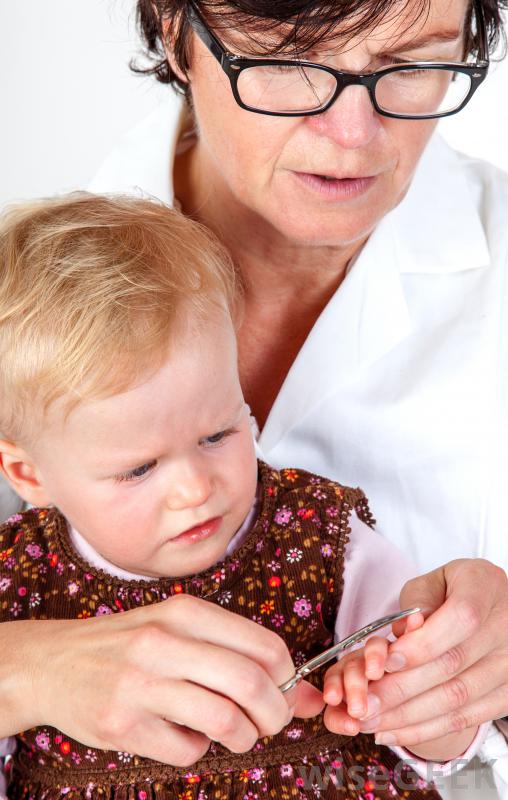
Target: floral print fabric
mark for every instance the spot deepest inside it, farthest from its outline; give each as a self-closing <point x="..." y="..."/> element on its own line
<point x="287" y="576"/>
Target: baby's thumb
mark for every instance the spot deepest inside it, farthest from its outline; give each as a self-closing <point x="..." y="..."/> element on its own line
<point x="309" y="701"/>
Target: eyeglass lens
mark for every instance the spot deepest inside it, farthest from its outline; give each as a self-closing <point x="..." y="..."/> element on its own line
<point x="413" y="92"/>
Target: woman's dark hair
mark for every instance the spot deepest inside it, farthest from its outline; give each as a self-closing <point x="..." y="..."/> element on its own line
<point x="299" y="26"/>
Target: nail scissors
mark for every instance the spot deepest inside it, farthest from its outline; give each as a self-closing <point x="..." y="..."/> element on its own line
<point x="345" y="644"/>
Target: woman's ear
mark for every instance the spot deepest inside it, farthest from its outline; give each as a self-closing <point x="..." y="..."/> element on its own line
<point x="19" y="470"/>
<point x="168" y="42"/>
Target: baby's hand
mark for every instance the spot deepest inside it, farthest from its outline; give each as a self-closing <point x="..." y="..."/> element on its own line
<point x="346" y="686"/>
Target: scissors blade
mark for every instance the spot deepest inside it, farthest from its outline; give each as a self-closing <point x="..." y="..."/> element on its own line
<point x="354" y="638"/>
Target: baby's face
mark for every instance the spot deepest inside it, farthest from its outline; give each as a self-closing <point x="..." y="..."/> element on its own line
<point x="159" y="478"/>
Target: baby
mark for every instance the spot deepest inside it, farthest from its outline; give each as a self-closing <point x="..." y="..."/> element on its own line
<point x="124" y="426"/>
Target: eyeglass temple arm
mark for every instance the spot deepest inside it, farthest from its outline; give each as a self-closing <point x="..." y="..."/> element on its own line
<point x="207" y="37"/>
<point x="481" y="32"/>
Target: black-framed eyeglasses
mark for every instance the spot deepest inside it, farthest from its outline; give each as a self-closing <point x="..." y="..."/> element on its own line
<point x="294" y="88"/>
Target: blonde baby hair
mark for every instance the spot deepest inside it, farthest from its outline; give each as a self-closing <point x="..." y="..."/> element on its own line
<point x="91" y="294"/>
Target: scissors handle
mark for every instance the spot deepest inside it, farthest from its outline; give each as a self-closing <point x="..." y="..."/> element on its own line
<point x="355" y="638"/>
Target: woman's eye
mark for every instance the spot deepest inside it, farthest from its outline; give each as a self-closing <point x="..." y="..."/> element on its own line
<point x="216" y="438"/>
<point x="137" y="472"/>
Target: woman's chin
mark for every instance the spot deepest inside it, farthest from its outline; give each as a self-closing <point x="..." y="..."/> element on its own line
<point x="311" y="224"/>
<point x="318" y="230"/>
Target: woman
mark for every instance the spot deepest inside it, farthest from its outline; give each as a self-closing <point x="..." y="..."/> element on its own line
<point x="372" y="346"/>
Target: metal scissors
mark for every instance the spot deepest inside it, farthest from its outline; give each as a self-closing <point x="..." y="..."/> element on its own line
<point x="345" y="644"/>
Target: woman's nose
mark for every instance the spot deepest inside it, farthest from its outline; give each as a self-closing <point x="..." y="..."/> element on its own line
<point x="351" y="121"/>
<point x="189" y="488"/>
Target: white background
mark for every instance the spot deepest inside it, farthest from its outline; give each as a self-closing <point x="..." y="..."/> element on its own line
<point x="67" y="95"/>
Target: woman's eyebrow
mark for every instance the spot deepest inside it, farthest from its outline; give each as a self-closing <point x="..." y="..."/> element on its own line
<point x="427" y="39"/>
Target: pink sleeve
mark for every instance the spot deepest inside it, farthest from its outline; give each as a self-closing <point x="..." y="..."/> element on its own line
<point x="375" y="571"/>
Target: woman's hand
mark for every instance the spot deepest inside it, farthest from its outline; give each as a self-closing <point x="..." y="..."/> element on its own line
<point x="452" y="674"/>
<point x="346" y="693"/>
<point x="160" y="681"/>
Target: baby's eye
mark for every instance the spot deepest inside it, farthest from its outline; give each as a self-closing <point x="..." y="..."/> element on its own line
<point x="216" y="438"/>
<point x="137" y="472"/>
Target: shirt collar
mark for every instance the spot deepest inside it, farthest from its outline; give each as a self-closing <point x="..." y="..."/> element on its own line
<point x="142" y="162"/>
<point x="437" y="226"/>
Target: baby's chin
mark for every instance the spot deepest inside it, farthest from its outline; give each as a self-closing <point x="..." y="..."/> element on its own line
<point x="184" y="564"/>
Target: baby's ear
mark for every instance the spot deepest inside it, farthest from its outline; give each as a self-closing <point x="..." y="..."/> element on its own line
<point x="19" y="470"/>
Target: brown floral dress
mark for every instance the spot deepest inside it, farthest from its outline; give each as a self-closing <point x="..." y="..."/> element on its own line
<point x="287" y="575"/>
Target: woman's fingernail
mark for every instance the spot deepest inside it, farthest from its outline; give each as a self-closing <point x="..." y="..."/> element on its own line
<point x="385" y="738"/>
<point x="369" y="725"/>
<point x="373" y="706"/>
<point x="395" y="661"/>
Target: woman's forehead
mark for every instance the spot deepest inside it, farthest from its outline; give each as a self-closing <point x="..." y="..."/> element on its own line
<point x="396" y="23"/>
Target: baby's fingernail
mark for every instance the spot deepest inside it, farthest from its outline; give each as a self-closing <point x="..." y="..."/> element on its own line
<point x="331" y="699"/>
<point x="350" y="726"/>
<point x="385" y="738"/>
<point x="356" y="710"/>
<point x="395" y="661"/>
<point x="331" y="690"/>
<point x="373" y="706"/>
<point x="369" y="725"/>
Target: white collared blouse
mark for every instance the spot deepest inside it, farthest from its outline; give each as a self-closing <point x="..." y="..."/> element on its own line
<point x="401" y="386"/>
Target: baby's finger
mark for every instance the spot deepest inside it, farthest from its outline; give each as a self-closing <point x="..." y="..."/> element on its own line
<point x="333" y="687"/>
<point x="375" y="653"/>
<point x="355" y="684"/>
<point x="337" y="720"/>
<point x="414" y="621"/>
<point x="410" y="623"/>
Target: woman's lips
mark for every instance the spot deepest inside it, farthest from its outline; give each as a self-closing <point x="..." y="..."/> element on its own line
<point x="330" y="188"/>
<point x="199" y="532"/>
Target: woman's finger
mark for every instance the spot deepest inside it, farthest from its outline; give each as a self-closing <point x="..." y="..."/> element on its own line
<point x="471" y="716"/>
<point x="216" y="625"/>
<point x="150" y="736"/>
<point x="194" y="707"/>
<point x="237" y="678"/>
<point x="452" y="695"/>
<point x="167" y="742"/>
<point x="468" y="594"/>
<point x="396" y="689"/>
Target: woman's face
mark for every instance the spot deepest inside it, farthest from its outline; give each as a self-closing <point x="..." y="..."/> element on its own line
<point x="274" y="168"/>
